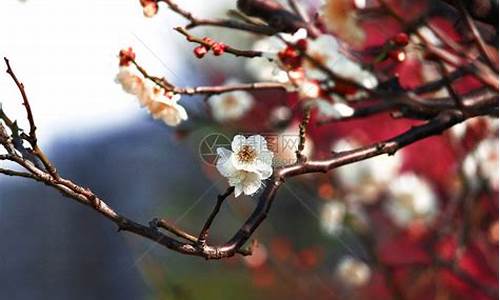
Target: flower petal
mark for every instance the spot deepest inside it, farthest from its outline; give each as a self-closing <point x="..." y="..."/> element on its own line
<point x="238" y="142"/>
<point x="224" y="164"/>
<point x="251" y="183"/>
<point x="258" y="142"/>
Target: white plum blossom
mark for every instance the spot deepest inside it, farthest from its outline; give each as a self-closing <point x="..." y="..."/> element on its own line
<point x="326" y="50"/>
<point x="160" y="104"/>
<point x="459" y="131"/>
<point x="266" y="68"/>
<point x="487" y="157"/>
<point x="368" y="178"/>
<point x="308" y="89"/>
<point x="333" y="110"/>
<point x="353" y="272"/>
<point x="166" y="108"/>
<point x="483" y="161"/>
<point x="130" y="82"/>
<point x="332" y="217"/>
<point x="230" y="106"/>
<point x="247" y="164"/>
<point x="410" y="199"/>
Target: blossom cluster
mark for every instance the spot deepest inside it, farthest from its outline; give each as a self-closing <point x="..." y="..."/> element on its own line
<point x="161" y="104"/>
<point x="409" y="207"/>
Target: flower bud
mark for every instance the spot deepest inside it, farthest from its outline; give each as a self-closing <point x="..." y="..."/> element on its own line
<point x="149" y="8"/>
<point x="401" y="39"/>
<point x="218" y="49"/>
<point x="200" y="51"/>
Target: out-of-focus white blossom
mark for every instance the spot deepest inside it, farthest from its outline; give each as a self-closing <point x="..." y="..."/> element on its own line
<point x="300" y="34"/>
<point x="332" y="217"/>
<point x="325" y="50"/>
<point x="340" y="17"/>
<point x="353" y="272"/>
<point x="483" y="161"/>
<point x="280" y="116"/>
<point x="333" y="110"/>
<point x="160" y="104"/>
<point x="230" y="106"/>
<point x="410" y="199"/>
<point x="247" y="164"/>
<point x="267" y="67"/>
<point x="368" y="178"/>
<point x="309" y="89"/>
<point x="360" y="4"/>
<point x="264" y="69"/>
<point x="458" y="131"/>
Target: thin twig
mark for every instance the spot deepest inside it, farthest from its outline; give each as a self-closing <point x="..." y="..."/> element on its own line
<point x="211" y="90"/>
<point x="490" y="60"/>
<point x="27" y="106"/>
<point x="202" y="238"/>
<point x="302" y="134"/>
<point x="228" y="49"/>
<point x="195" y="22"/>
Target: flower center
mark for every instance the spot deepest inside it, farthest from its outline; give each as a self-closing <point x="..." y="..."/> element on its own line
<point x="247" y="154"/>
<point x="230" y="102"/>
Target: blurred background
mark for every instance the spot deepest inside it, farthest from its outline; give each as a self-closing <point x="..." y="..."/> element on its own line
<point x="53" y="248"/>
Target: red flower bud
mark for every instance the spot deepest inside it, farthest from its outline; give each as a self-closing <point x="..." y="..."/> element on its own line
<point x="126" y="56"/>
<point x="401" y="39"/>
<point x="208" y="41"/>
<point x="200" y="51"/>
<point x="290" y="57"/>
<point x="218" y="49"/>
<point x="302" y="44"/>
<point x="149" y="8"/>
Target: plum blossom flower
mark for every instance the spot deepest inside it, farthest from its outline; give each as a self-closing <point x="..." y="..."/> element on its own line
<point x="165" y="107"/>
<point x="230" y="106"/>
<point x="247" y="164"/>
<point x="266" y="68"/>
<point x="411" y="199"/>
<point x="162" y="105"/>
<point x="308" y="89"/>
<point x="130" y="82"/>
<point x="333" y="110"/>
<point x="332" y="217"/>
<point x="483" y="161"/>
<point x="353" y="272"/>
<point x="364" y="179"/>
<point x="326" y="50"/>
<point x="340" y="17"/>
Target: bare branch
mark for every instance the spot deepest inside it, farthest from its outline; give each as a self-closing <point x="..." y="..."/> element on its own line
<point x="195" y="22"/>
<point x="211" y="90"/>
<point x="490" y="60"/>
<point x="220" y="199"/>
